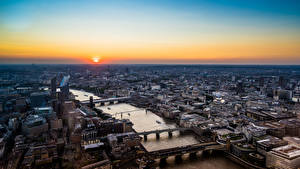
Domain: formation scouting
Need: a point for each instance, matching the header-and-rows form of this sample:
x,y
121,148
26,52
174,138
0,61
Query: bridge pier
x,y
178,158
145,137
207,152
163,160
193,155
170,134
157,136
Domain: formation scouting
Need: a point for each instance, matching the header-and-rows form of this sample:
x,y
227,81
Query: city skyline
x,y
150,32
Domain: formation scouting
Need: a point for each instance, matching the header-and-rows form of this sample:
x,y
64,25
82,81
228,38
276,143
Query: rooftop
x,y
288,151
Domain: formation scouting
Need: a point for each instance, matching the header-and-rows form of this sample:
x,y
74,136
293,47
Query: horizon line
x,y
192,64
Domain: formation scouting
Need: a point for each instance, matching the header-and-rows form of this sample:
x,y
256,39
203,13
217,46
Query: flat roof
x,y
288,151
95,145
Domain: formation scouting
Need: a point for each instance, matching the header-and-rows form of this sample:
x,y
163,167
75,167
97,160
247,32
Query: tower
x,y
53,87
91,102
261,81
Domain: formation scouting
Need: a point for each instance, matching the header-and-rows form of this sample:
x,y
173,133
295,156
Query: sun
x,y
96,59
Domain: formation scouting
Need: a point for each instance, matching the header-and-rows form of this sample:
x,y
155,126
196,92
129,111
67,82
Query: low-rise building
x,y
252,130
34,125
268,142
284,157
275,129
292,127
292,140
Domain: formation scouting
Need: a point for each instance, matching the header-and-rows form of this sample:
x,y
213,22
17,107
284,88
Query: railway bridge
x,y
179,151
146,133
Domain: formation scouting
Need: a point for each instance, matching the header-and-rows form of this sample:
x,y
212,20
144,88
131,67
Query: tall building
x,y
239,87
39,99
64,88
53,87
282,82
261,81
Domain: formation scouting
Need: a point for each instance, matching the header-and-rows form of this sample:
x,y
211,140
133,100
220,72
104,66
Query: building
x,y
53,87
106,127
123,145
292,140
39,99
56,124
5,136
19,149
46,112
284,157
292,127
280,94
296,95
275,129
252,130
64,88
40,156
267,143
224,135
240,87
20,105
282,82
86,111
261,81
34,125
242,150
257,115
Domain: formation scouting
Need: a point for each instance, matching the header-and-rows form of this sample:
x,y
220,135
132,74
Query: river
x,y
146,121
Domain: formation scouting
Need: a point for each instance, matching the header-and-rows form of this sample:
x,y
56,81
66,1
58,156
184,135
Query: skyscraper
x,y
261,81
282,82
239,87
53,87
64,87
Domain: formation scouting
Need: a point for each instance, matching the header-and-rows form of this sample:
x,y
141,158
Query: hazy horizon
x,y
164,62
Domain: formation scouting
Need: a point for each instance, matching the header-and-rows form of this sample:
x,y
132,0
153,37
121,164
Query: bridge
x,y
157,132
103,101
179,151
129,111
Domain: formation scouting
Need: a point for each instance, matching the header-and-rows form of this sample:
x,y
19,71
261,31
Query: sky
x,y
153,31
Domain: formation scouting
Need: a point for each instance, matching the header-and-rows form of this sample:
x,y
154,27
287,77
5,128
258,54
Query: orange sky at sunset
x,y
150,32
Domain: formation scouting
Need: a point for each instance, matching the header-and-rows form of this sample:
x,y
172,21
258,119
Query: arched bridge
x,y
109,100
158,132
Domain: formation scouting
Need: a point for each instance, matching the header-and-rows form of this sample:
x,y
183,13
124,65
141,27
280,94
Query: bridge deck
x,y
105,100
162,131
181,150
